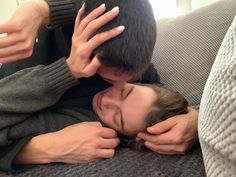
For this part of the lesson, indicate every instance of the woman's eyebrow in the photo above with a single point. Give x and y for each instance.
(122, 117)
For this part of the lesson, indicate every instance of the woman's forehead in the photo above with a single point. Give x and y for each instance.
(136, 107)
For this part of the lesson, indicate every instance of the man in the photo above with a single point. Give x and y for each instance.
(157, 142)
(114, 62)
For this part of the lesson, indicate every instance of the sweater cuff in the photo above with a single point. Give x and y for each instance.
(58, 76)
(62, 12)
(8, 154)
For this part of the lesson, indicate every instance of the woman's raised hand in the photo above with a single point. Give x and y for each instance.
(18, 34)
(84, 42)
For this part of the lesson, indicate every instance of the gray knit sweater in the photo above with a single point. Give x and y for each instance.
(43, 85)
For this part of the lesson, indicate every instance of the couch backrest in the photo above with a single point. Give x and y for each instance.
(187, 46)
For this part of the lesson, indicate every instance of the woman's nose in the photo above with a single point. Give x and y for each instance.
(110, 101)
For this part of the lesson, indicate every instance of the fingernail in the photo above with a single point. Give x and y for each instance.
(101, 6)
(83, 5)
(121, 28)
(115, 9)
(3, 35)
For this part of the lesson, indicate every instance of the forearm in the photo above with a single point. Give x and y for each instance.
(29, 91)
(44, 11)
(37, 151)
(33, 89)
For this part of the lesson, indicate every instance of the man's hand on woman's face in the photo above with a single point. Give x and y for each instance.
(21, 30)
(175, 135)
(84, 42)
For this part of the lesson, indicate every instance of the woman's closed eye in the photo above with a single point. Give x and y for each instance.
(119, 120)
(125, 92)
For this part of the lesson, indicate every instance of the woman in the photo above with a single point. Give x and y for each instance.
(137, 107)
(128, 111)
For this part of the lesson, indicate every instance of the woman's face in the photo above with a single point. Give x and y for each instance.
(124, 110)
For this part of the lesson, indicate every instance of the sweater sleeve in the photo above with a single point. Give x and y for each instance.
(31, 90)
(63, 12)
(8, 153)
(47, 120)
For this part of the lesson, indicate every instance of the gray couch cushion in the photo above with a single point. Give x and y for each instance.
(187, 45)
(217, 117)
(126, 163)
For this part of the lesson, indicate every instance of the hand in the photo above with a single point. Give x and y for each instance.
(84, 43)
(84, 142)
(21, 30)
(175, 135)
(79, 143)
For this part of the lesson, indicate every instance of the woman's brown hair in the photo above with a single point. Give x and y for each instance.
(168, 103)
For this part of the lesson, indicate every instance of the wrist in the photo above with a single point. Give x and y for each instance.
(44, 10)
(72, 68)
(39, 150)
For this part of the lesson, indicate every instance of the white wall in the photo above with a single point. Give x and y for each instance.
(6, 9)
(200, 3)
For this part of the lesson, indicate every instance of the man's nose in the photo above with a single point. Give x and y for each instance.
(119, 85)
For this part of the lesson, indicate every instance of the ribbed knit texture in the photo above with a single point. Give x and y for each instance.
(217, 119)
(63, 12)
(59, 77)
(37, 88)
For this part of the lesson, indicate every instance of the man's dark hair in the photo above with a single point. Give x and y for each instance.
(131, 51)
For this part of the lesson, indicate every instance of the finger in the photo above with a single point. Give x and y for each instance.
(167, 138)
(103, 37)
(78, 17)
(110, 143)
(94, 25)
(108, 133)
(97, 124)
(92, 68)
(8, 41)
(14, 50)
(162, 126)
(105, 153)
(90, 17)
(15, 57)
(7, 28)
(168, 149)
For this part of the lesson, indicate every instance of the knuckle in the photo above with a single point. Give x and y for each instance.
(116, 142)
(183, 149)
(111, 153)
(28, 53)
(179, 139)
(100, 37)
(18, 26)
(97, 144)
(28, 46)
(91, 155)
(92, 25)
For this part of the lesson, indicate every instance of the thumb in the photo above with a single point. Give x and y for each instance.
(92, 67)
(161, 127)
(96, 124)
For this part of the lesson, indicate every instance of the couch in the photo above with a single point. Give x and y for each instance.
(185, 51)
